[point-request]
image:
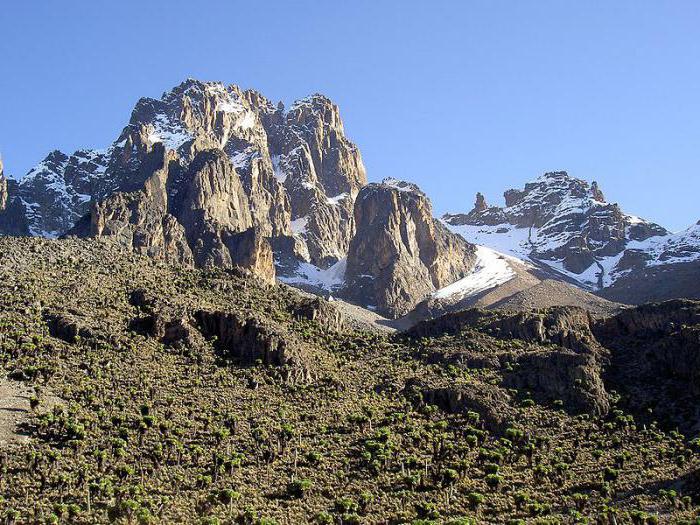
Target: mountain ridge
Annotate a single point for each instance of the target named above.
(210, 174)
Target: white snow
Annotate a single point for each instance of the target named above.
(229, 106)
(336, 200)
(491, 270)
(504, 238)
(277, 168)
(400, 185)
(241, 159)
(329, 279)
(170, 134)
(247, 121)
(299, 225)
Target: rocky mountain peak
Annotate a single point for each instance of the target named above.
(401, 185)
(199, 165)
(566, 224)
(596, 193)
(400, 253)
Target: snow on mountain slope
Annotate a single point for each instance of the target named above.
(566, 224)
(490, 270)
(58, 190)
(328, 279)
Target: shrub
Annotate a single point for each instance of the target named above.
(299, 487)
(475, 499)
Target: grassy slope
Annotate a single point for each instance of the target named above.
(149, 433)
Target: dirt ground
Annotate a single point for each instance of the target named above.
(14, 409)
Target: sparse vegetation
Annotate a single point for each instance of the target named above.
(123, 428)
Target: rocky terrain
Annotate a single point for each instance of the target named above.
(210, 175)
(565, 225)
(134, 391)
(3, 189)
(499, 281)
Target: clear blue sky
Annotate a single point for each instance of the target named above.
(457, 96)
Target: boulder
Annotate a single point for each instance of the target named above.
(321, 312)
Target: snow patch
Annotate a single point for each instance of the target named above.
(490, 270)
(329, 279)
(299, 225)
(170, 134)
(336, 200)
(400, 185)
(279, 172)
(504, 238)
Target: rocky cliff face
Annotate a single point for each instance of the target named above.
(567, 225)
(401, 253)
(209, 175)
(199, 166)
(655, 361)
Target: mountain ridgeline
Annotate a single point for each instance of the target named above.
(210, 175)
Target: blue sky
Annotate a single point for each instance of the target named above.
(458, 96)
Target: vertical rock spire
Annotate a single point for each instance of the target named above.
(480, 203)
(3, 188)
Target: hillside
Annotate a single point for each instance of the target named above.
(161, 394)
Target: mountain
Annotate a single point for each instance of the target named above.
(213, 175)
(499, 281)
(210, 175)
(3, 188)
(566, 227)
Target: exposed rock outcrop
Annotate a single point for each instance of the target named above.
(489, 401)
(140, 219)
(400, 253)
(570, 373)
(480, 203)
(65, 327)
(201, 219)
(655, 361)
(649, 354)
(321, 312)
(250, 340)
(571, 377)
(565, 326)
(232, 161)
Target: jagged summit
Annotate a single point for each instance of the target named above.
(213, 175)
(401, 185)
(566, 224)
(401, 254)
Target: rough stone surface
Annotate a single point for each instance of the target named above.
(400, 253)
(250, 340)
(655, 360)
(491, 402)
(3, 189)
(568, 223)
(571, 377)
(233, 161)
(321, 312)
(566, 326)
